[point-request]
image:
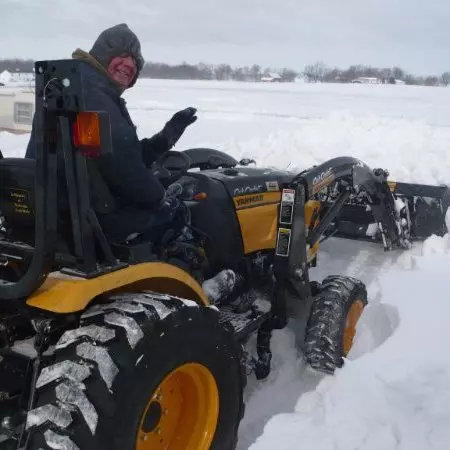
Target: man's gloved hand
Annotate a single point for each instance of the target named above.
(175, 127)
(174, 190)
(156, 146)
(172, 206)
(169, 205)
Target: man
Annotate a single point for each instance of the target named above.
(142, 206)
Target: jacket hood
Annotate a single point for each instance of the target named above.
(115, 41)
(85, 56)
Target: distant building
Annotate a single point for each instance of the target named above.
(393, 80)
(271, 78)
(7, 77)
(367, 80)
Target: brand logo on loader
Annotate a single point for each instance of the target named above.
(322, 180)
(319, 178)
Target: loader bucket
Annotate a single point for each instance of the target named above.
(424, 207)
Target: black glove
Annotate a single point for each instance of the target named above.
(156, 146)
(175, 127)
(174, 190)
(169, 205)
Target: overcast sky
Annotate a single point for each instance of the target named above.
(414, 34)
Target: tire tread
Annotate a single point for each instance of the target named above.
(326, 324)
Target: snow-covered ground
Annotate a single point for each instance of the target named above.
(394, 392)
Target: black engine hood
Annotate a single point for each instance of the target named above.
(250, 180)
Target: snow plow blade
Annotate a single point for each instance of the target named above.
(424, 207)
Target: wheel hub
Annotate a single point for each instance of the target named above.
(353, 316)
(152, 417)
(182, 413)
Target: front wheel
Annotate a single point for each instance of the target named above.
(331, 327)
(144, 372)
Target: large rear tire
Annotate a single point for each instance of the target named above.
(142, 372)
(331, 327)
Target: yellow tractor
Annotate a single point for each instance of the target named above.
(107, 345)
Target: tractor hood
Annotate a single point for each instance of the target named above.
(250, 180)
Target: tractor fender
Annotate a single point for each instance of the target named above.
(65, 294)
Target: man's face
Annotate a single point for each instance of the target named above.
(122, 69)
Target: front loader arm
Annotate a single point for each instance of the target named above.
(346, 180)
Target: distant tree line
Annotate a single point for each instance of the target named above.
(319, 72)
(204, 71)
(314, 73)
(17, 65)
(182, 71)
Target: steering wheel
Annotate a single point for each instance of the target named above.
(171, 166)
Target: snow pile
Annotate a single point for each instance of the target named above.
(396, 396)
(411, 150)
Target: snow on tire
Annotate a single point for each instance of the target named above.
(104, 373)
(331, 325)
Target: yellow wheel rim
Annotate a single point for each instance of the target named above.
(182, 413)
(350, 328)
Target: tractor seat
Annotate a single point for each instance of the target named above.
(17, 200)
